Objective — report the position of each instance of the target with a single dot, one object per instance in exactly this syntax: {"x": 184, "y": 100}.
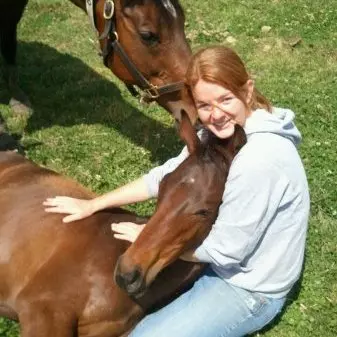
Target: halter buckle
{"x": 115, "y": 36}
{"x": 109, "y": 8}
{"x": 150, "y": 93}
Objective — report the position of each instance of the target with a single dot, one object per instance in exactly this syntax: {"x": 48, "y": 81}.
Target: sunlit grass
{"x": 86, "y": 125}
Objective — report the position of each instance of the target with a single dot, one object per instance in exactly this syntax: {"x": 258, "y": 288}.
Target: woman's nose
{"x": 217, "y": 112}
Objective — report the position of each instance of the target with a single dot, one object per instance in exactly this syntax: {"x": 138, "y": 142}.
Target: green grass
{"x": 86, "y": 125}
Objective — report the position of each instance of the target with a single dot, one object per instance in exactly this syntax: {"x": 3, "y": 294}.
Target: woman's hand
{"x": 128, "y": 231}
{"x": 77, "y": 208}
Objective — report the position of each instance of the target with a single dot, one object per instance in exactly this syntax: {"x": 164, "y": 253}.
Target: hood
{"x": 280, "y": 122}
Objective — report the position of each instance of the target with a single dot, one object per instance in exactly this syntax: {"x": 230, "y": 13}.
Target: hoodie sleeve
{"x": 153, "y": 177}
{"x": 250, "y": 201}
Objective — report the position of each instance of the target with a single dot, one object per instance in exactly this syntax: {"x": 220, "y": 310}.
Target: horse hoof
{"x": 9, "y": 143}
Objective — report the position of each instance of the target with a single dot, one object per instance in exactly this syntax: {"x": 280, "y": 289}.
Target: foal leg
{"x": 46, "y": 321}
{"x": 10, "y": 15}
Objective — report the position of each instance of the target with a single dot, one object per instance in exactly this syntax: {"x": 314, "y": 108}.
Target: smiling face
{"x": 219, "y": 109}
{"x": 222, "y": 90}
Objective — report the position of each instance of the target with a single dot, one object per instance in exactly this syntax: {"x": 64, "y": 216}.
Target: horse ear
{"x": 239, "y": 138}
{"x": 169, "y": 7}
{"x": 188, "y": 133}
{"x": 232, "y": 145}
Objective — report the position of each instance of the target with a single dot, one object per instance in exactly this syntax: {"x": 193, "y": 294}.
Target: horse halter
{"x": 149, "y": 92}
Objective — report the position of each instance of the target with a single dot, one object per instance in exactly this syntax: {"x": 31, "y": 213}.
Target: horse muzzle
{"x": 130, "y": 278}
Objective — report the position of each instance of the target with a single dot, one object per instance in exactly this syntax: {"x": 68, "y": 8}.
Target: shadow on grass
{"x": 65, "y": 91}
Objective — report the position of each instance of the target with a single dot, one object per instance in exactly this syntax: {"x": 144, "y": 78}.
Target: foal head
{"x": 187, "y": 206}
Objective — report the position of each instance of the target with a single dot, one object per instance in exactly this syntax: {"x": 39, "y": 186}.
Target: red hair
{"x": 221, "y": 65}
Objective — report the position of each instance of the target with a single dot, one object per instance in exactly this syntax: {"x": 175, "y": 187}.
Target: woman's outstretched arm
{"x": 77, "y": 209}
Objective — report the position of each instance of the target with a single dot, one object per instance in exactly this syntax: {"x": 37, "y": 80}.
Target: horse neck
{"x": 97, "y": 229}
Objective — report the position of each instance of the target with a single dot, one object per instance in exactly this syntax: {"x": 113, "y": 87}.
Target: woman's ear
{"x": 249, "y": 91}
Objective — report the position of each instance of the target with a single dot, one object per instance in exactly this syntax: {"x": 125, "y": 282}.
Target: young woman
{"x": 256, "y": 246}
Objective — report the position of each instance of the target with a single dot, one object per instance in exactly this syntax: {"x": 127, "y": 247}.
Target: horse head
{"x": 144, "y": 44}
{"x": 187, "y": 207}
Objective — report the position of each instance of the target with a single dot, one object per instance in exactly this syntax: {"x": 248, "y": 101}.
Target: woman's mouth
{"x": 220, "y": 124}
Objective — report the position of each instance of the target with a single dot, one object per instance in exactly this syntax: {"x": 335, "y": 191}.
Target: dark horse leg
{"x": 10, "y": 15}
{"x": 9, "y": 143}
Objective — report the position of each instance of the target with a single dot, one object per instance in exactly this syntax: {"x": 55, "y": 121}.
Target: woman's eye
{"x": 204, "y": 107}
{"x": 225, "y": 99}
{"x": 149, "y": 37}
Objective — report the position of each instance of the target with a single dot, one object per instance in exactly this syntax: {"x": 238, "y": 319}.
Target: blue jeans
{"x": 211, "y": 308}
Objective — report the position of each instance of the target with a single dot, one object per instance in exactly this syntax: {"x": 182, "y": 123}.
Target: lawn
{"x": 87, "y": 126}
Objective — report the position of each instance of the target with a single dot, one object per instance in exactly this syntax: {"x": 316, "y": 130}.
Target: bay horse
{"x": 142, "y": 41}
{"x": 57, "y": 279}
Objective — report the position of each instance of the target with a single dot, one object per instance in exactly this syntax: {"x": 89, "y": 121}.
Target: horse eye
{"x": 202, "y": 212}
{"x": 149, "y": 37}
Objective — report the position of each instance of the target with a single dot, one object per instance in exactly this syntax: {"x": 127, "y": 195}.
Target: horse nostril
{"x": 130, "y": 281}
{"x": 132, "y": 277}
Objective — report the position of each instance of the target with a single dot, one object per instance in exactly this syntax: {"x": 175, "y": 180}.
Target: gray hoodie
{"x": 258, "y": 240}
